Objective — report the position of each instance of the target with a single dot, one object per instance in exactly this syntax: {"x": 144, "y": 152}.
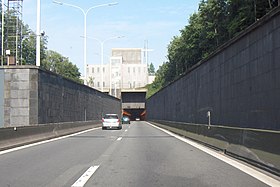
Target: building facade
{"x": 125, "y": 71}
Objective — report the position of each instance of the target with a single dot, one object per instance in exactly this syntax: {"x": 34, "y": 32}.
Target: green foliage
{"x": 241, "y": 15}
{"x": 215, "y": 23}
{"x": 91, "y": 82}
{"x": 29, "y": 47}
{"x": 11, "y": 32}
{"x": 151, "y": 90}
{"x": 159, "y": 81}
{"x": 151, "y": 69}
{"x": 55, "y": 62}
{"x": 50, "y": 60}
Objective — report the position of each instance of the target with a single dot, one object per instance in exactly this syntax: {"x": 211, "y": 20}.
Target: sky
{"x": 155, "y": 21}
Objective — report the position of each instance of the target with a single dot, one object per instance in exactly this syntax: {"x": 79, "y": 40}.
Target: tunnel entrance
{"x": 133, "y": 114}
{"x": 133, "y": 104}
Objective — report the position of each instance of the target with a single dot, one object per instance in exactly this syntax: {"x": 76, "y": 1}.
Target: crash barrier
{"x": 17, "y": 136}
{"x": 258, "y": 147}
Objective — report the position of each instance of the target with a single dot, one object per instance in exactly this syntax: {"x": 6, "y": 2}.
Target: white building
{"x": 125, "y": 71}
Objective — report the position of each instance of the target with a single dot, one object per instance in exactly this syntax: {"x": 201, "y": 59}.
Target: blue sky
{"x": 154, "y": 20}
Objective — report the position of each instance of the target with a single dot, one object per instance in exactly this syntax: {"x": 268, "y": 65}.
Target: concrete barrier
{"x": 17, "y": 136}
{"x": 258, "y": 147}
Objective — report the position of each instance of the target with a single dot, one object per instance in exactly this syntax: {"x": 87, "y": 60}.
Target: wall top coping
{"x": 20, "y": 67}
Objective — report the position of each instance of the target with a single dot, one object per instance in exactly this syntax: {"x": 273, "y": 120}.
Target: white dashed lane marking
{"x": 85, "y": 177}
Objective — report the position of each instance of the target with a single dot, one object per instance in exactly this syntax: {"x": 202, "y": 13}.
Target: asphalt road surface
{"x": 138, "y": 155}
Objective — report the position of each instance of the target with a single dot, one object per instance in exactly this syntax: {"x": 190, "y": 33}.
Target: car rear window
{"x": 111, "y": 117}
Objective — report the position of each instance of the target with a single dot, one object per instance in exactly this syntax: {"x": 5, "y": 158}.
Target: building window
{"x": 128, "y": 69}
{"x": 92, "y": 70}
{"x": 133, "y": 69}
{"x": 98, "y": 70}
{"x": 139, "y": 70}
{"x": 98, "y": 85}
{"x": 103, "y": 70}
{"x": 103, "y": 84}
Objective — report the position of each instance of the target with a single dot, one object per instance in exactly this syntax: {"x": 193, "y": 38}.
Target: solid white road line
{"x": 85, "y": 177}
{"x": 120, "y": 138}
{"x": 46, "y": 141}
{"x": 246, "y": 169}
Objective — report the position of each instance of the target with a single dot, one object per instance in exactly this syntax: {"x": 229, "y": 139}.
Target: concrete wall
{"x": 32, "y": 96}
{"x": 239, "y": 84}
{"x": 19, "y": 93}
{"x": 62, "y": 100}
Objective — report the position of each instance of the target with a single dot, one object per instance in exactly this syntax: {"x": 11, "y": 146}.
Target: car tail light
{"x": 102, "y": 119}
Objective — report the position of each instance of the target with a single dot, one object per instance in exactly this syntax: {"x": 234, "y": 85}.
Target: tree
{"x": 215, "y": 23}
{"x": 11, "y": 35}
{"x": 151, "y": 69}
{"x": 159, "y": 81}
{"x": 91, "y": 81}
{"x": 29, "y": 46}
{"x": 241, "y": 15}
{"x": 50, "y": 60}
{"x": 56, "y": 63}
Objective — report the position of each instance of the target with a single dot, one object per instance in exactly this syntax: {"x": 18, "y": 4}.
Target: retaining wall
{"x": 62, "y": 100}
{"x": 32, "y": 96}
{"x": 43, "y": 105}
{"x": 240, "y": 85}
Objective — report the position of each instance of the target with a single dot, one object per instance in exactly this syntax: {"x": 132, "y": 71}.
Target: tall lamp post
{"x": 38, "y": 36}
{"x": 102, "y": 56}
{"x": 85, "y": 12}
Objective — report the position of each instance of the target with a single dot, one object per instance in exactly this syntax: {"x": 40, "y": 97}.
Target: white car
{"x": 110, "y": 121}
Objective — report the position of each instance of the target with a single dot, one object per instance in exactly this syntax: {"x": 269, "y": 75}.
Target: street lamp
{"x": 102, "y": 56}
{"x": 85, "y": 12}
{"x": 38, "y": 37}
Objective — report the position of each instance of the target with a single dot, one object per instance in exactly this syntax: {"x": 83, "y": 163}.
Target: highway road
{"x": 138, "y": 155}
